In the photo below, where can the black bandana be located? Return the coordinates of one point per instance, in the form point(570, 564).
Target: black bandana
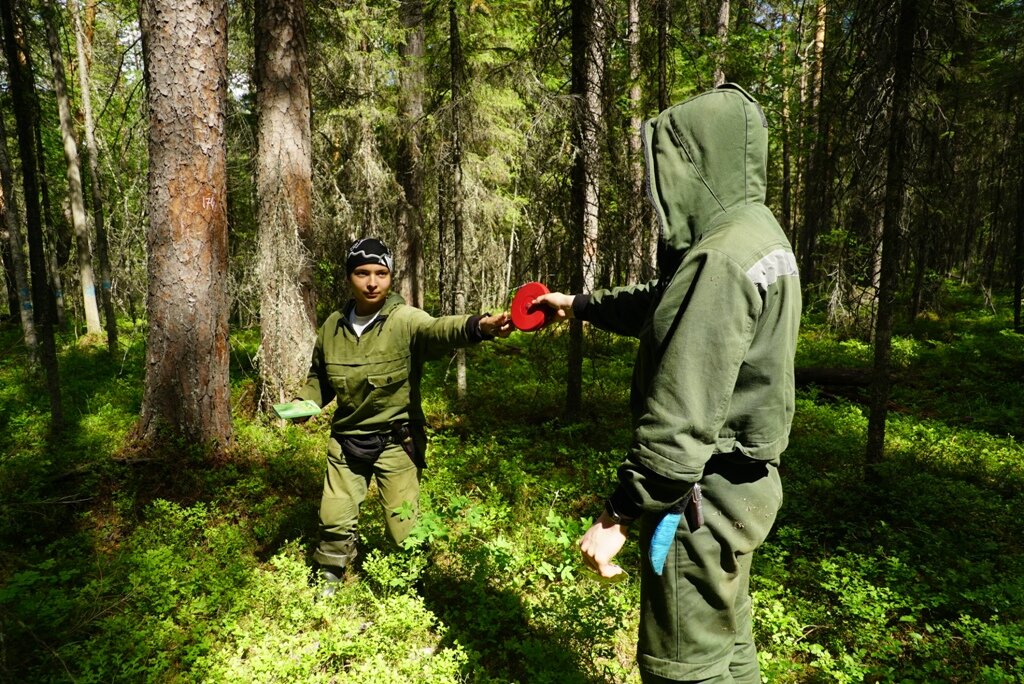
point(368, 251)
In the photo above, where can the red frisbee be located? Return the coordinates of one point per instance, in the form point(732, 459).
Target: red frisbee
point(530, 318)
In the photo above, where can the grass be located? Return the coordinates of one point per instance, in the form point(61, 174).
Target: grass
point(119, 567)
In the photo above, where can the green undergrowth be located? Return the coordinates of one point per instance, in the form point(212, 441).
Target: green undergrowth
point(123, 566)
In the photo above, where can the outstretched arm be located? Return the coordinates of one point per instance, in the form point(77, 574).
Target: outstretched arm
point(496, 325)
point(622, 310)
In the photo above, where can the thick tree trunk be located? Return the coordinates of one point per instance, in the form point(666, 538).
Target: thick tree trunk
point(409, 162)
point(895, 187)
point(284, 197)
point(722, 31)
point(93, 156)
point(21, 304)
point(76, 196)
point(185, 53)
point(21, 86)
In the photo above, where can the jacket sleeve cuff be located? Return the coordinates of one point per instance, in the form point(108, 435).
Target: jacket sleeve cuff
point(579, 305)
point(474, 331)
point(621, 507)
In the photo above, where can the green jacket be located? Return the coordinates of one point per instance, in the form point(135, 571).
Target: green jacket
point(718, 328)
point(375, 377)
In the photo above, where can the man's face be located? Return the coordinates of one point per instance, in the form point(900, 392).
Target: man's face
point(370, 286)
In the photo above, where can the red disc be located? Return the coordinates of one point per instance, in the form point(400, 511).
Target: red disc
point(530, 318)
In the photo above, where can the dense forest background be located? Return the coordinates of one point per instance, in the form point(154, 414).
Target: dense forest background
point(180, 181)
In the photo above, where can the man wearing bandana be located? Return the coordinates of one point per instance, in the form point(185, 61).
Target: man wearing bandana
point(369, 358)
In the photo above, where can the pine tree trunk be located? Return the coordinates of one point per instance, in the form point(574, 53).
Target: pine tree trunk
point(185, 55)
point(98, 205)
point(21, 87)
point(814, 213)
point(56, 242)
point(663, 50)
point(587, 69)
point(455, 197)
point(787, 153)
point(1018, 238)
point(722, 31)
point(75, 191)
point(10, 287)
point(895, 188)
point(643, 230)
point(409, 162)
point(22, 301)
point(284, 198)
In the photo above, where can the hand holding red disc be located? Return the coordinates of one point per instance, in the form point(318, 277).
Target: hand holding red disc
point(530, 318)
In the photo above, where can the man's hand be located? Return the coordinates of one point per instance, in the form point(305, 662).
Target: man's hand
point(498, 325)
point(561, 303)
point(601, 543)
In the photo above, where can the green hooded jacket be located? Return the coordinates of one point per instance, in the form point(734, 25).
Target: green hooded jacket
point(718, 327)
point(375, 377)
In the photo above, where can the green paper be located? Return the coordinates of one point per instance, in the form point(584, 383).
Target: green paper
point(614, 579)
point(296, 409)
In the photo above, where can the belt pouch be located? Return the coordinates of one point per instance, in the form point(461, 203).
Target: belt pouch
point(362, 448)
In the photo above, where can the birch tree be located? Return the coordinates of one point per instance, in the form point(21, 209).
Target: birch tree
point(76, 196)
point(93, 158)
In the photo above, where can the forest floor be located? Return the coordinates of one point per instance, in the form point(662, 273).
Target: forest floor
point(117, 565)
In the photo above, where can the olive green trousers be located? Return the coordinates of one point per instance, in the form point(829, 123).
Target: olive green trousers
point(346, 484)
point(695, 621)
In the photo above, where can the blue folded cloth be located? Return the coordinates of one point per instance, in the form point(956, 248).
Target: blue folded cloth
point(664, 534)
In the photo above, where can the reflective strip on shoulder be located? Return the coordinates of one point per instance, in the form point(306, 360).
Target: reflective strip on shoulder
point(771, 267)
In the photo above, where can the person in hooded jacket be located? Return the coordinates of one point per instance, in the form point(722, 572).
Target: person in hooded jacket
point(712, 395)
point(369, 358)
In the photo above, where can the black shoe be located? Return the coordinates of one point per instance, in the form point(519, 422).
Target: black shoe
point(330, 577)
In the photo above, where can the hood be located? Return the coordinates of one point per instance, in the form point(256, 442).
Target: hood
point(706, 157)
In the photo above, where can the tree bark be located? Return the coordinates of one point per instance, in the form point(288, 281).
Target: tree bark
point(815, 187)
point(663, 22)
point(185, 55)
point(21, 302)
point(787, 153)
point(21, 87)
point(1018, 238)
point(284, 199)
point(643, 229)
point(409, 162)
point(895, 187)
point(75, 192)
point(457, 66)
point(587, 69)
point(93, 157)
point(56, 240)
point(722, 31)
